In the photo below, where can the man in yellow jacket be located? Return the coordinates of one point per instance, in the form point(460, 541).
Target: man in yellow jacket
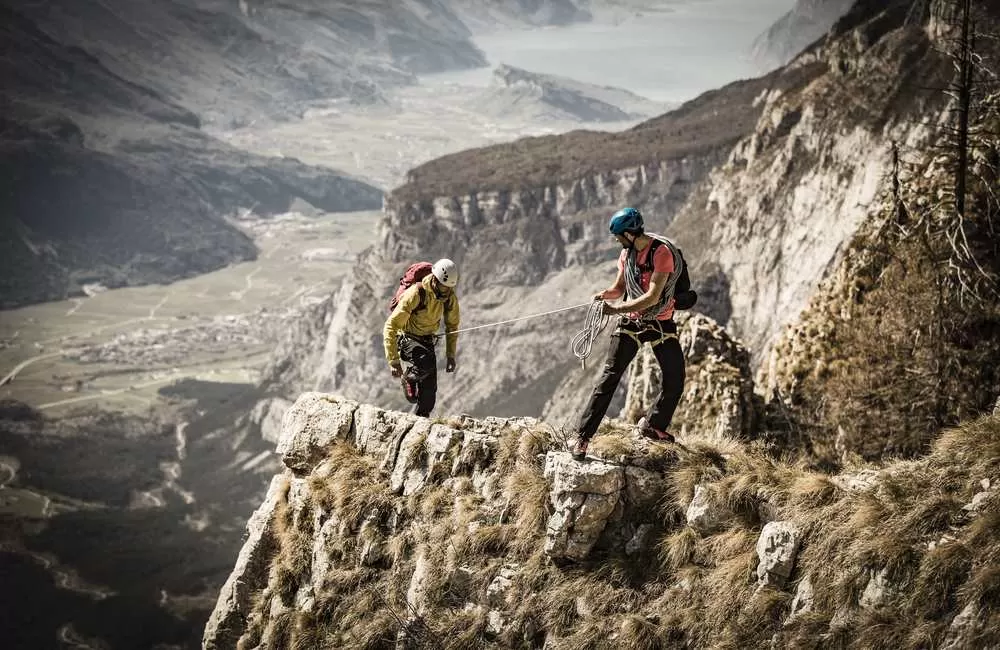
point(410, 330)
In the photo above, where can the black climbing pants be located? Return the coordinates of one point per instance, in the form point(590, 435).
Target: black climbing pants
point(624, 346)
point(418, 353)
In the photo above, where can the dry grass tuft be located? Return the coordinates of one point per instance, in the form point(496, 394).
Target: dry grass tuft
point(306, 633)
point(528, 491)
point(641, 634)
point(763, 613)
point(612, 447)
point(941, 572)
point(490, 541)
point(278, 633)
point(811, 490)
point(462, 630)
point(376, 632)
point(432, 503)
point(351, 486)
point(678, 549)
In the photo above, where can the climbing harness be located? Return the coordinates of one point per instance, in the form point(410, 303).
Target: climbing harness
point(634, 335)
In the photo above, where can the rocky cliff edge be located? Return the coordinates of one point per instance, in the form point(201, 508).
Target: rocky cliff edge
point(388, 530)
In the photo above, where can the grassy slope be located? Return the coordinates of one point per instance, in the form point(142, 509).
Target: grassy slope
point(687, 589)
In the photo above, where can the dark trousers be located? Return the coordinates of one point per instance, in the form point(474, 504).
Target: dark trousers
point(418, 353)
point(621, 352)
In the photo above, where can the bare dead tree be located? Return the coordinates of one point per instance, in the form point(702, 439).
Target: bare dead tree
point(964, 92)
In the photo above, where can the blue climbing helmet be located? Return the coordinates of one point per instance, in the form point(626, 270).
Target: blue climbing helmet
point(625, 220)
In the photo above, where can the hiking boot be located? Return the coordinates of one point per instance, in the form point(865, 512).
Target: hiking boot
point(579, 449)
point(643, 429)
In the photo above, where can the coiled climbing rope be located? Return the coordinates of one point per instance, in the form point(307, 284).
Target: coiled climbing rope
point(597, 320)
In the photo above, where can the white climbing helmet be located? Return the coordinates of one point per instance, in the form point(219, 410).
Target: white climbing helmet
point(446, 272)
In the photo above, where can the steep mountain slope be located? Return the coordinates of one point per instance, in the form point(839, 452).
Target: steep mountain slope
point(136, 522)
point(807, 21)
point(774, 219)
point(903, 337)
point(235, 61)
point(107, 181)
point(797, 155)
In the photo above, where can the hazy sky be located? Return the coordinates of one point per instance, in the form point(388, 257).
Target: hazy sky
point(673, 56)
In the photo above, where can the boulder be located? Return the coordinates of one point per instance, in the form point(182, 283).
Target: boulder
point(310, 428)
point(583, 496)
point(777, 547)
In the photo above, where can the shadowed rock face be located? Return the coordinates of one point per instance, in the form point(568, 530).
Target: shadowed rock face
point(110, 182)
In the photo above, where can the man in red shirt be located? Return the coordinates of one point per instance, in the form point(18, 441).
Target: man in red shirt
point(649, 268)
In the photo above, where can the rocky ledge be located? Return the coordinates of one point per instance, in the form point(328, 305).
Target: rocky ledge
point(390, 530)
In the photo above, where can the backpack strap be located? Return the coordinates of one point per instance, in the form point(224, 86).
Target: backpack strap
point(647, 265)
point(423, 298)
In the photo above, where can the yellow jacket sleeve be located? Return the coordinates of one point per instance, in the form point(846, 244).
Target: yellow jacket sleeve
point(452, 318)
point(397, 320)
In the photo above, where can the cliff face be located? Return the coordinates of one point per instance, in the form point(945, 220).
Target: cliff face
point(773, 220)
point(901, 340)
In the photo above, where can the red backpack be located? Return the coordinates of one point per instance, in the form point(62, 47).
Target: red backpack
point(413, 275)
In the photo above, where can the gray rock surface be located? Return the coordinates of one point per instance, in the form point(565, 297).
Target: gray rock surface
point(777, 548)
point(718, 387)
point(310, 428)
point(583, 497)
point(705, 514)
point(249, 575)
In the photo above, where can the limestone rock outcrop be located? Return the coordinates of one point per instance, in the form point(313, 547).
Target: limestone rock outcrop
point(718, 388)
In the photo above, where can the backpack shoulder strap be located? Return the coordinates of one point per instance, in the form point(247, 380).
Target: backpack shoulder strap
point(423, 298)
point(647, 264)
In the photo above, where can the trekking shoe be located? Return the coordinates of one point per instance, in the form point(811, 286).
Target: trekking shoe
point(409, 389)
point(646, 431)
point(579, 449)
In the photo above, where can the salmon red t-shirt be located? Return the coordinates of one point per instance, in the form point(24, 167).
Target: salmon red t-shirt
point(663, 262)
